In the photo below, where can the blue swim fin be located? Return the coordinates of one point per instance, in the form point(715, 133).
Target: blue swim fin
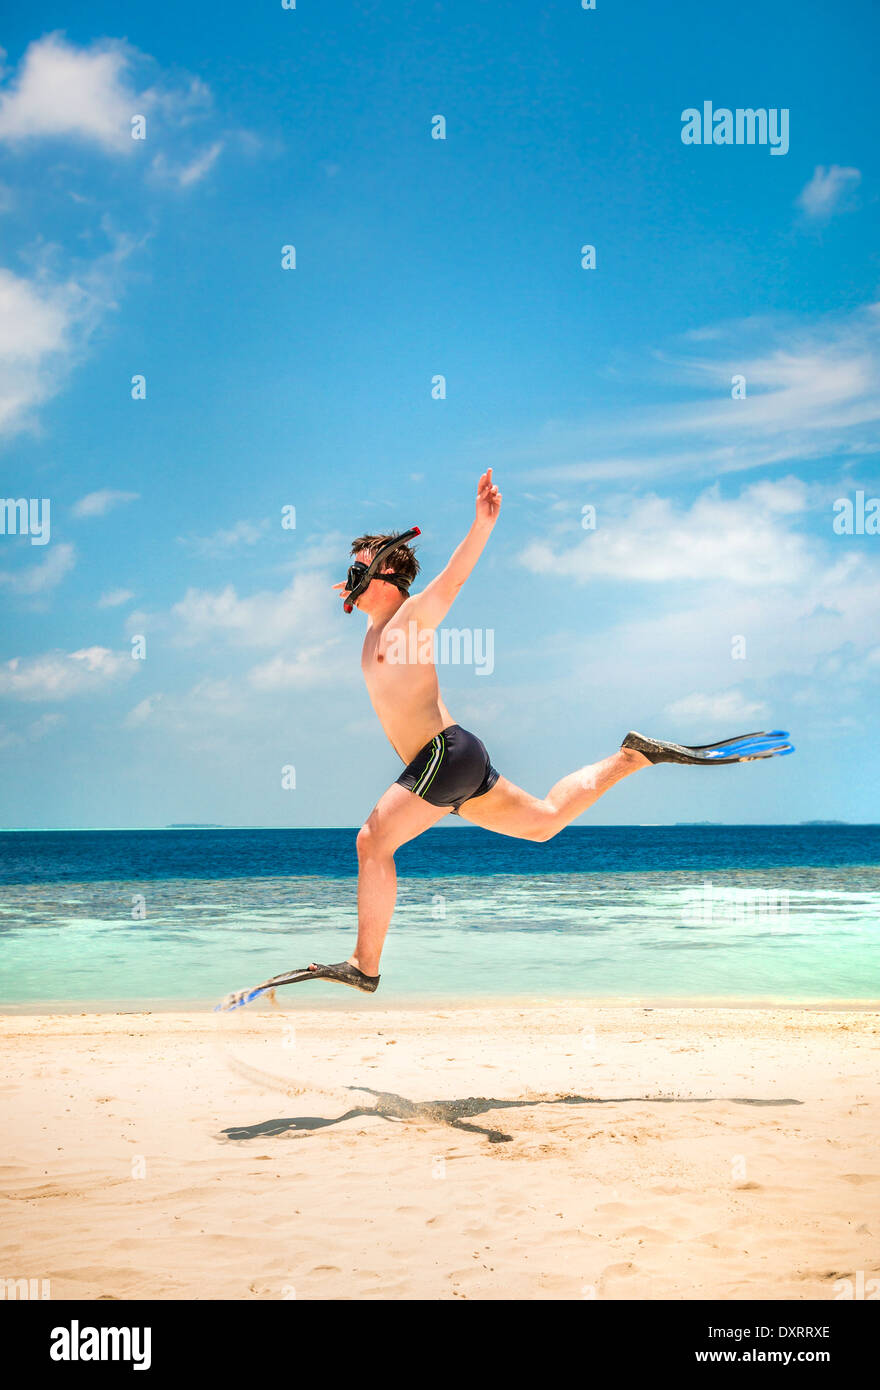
point(742, 749)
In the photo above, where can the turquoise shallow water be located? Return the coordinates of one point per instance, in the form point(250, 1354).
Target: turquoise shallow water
point(793, 930)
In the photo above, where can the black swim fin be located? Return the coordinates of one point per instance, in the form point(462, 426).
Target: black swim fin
point(345, 973)
point(744, 748)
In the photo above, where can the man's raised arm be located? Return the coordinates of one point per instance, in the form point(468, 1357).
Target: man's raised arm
point(431, 605)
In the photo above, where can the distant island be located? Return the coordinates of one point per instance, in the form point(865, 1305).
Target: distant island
point(720, 823)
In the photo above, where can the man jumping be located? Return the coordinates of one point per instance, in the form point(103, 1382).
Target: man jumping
point(447, 769)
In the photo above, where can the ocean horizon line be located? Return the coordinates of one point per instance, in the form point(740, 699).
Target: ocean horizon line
point(818, 824)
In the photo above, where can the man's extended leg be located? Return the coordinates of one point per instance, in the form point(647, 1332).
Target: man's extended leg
point(399, 816)
point(512, 811)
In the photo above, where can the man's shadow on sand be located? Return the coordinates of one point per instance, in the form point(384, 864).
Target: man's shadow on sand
point(455, 1112)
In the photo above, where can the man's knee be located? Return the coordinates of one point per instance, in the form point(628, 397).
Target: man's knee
point(370, 841)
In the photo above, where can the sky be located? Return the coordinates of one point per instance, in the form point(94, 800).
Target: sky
point(710, 388)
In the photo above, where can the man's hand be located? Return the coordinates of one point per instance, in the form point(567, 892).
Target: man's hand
point(488, 500)
point(431, 606)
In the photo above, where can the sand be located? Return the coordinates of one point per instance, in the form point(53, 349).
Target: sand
point(507, 1150)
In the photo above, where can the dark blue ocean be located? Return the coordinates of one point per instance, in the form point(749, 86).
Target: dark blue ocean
point(147, 918)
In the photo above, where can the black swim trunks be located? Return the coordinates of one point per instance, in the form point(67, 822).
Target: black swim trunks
point(450, 769)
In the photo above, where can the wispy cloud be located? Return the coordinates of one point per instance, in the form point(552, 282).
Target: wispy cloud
point(184, 175)
point(726, 708)
point(101, 502)
point(46, 323)
point(828, 191)
point(60, 675)
point(30, 733)
point(243, 533)
point(208, 705)
point(309, 667)
point(114, 598)
point(44, 576)
point(811, 390)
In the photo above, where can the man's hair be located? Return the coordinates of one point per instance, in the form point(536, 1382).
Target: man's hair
point(401, 560)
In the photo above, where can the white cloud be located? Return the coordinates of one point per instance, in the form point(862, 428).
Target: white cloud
point(114, 597)
point(101, 502)
point(41, 577)
point(267, 619)
point(62, 90)
point(746, 541)
point(45, 325)
point(728, 707)
point(811, 391)
point(143, 711)
point(827, 191)
point(310, 667)
point(231, 538)
point(89, 95)
point(808, 385)
point(86, 94)
point(37, 729)
point(327, 550)
point(181, 105)
point(768, 643)
point(32, 322)
point(35, 329)
point(301, 624)
point(200, 166)
point(184, 175)
point(46, 724)
point(197, 711)
point(60, 675)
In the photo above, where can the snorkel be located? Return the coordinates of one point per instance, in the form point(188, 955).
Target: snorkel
point(361, 575)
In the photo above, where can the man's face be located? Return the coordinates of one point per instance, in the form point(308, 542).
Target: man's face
point(364, 557)
point(367, 600)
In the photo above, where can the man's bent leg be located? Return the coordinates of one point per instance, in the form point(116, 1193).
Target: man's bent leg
point(398, 816)
point(511, 811)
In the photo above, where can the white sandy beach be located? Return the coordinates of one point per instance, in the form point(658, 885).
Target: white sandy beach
point(511, 1150)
